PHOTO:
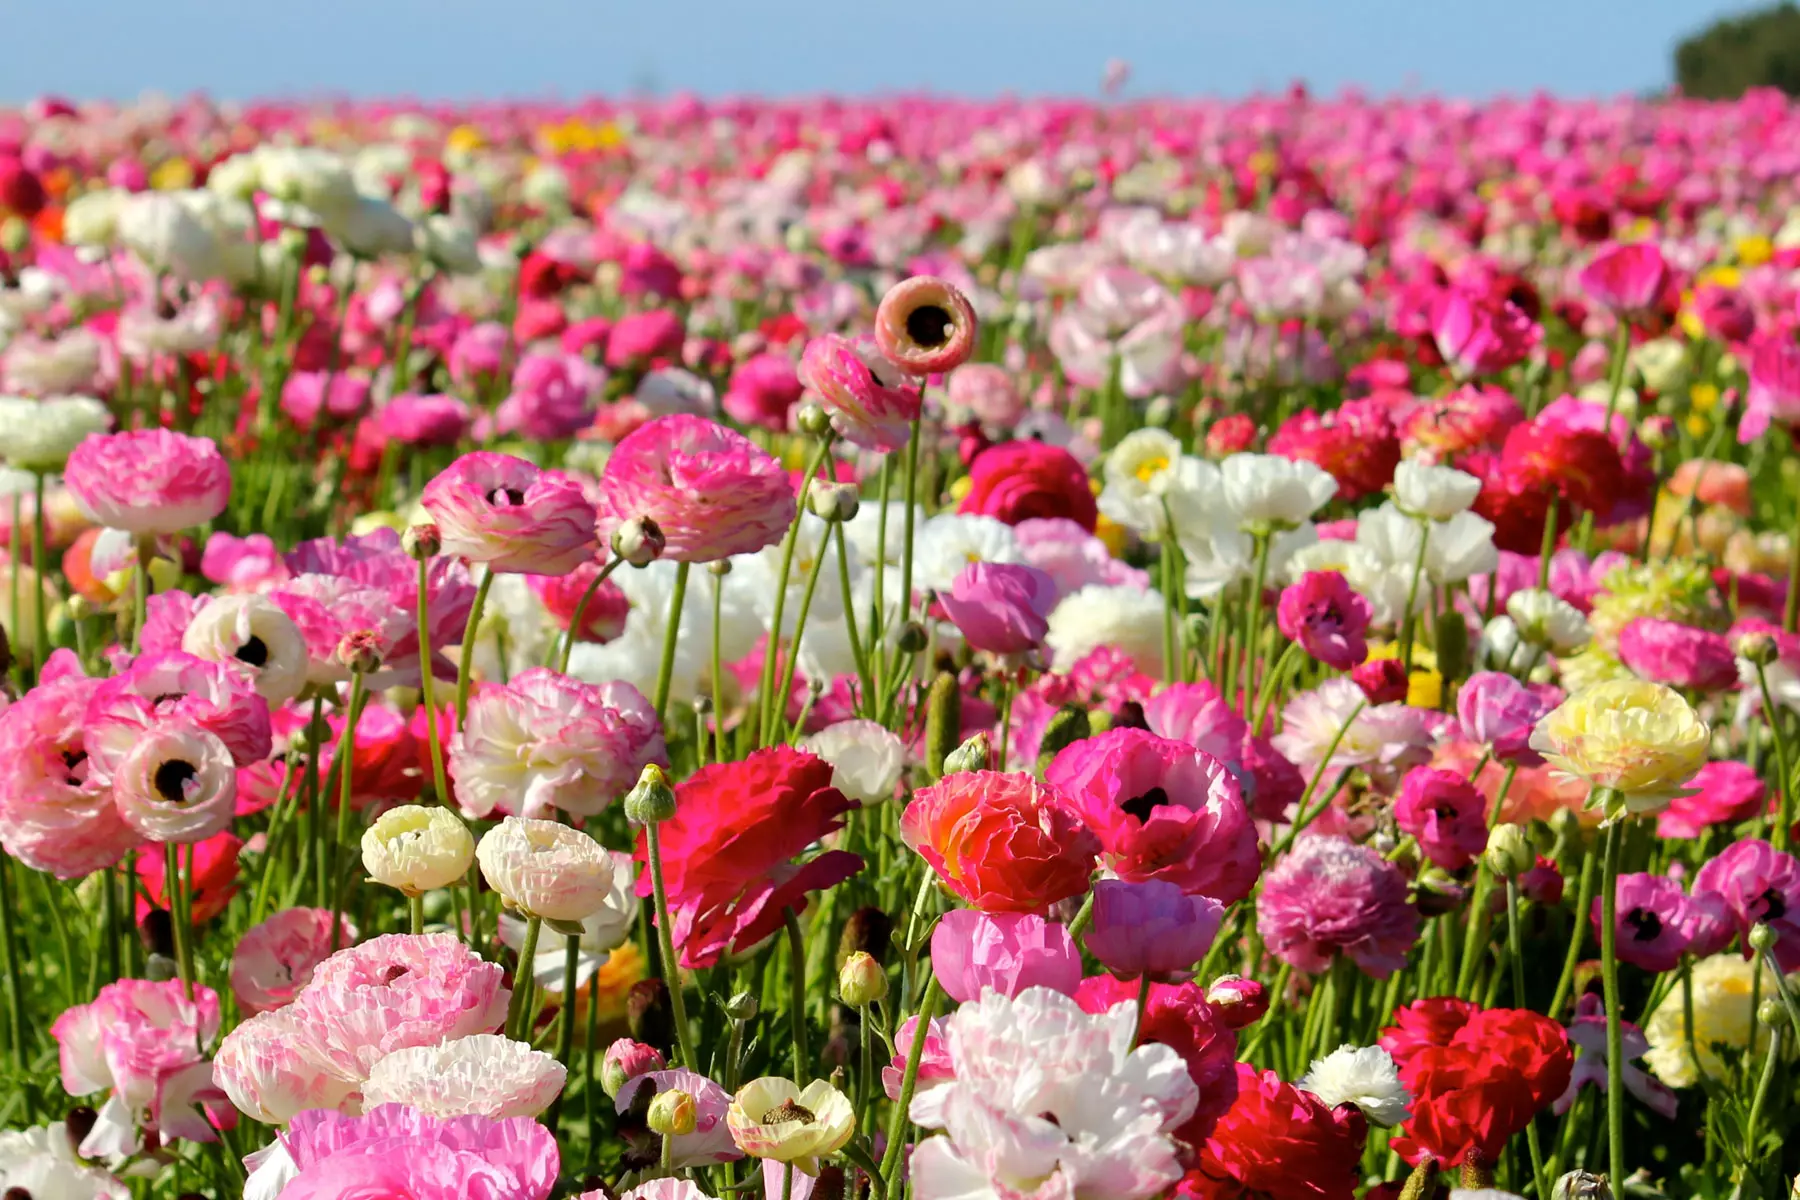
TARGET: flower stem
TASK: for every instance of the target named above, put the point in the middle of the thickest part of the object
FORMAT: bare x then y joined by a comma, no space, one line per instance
174,888
40,649
15,989
778,705
890,1161
464,668
764,698
428,685
519,1012
1609,966
1143,1010
342,768
665,669
565,1029
1584,895
415,915
1515,948
666,944
1410,619
1772,716
797,985
1754,1127
569,639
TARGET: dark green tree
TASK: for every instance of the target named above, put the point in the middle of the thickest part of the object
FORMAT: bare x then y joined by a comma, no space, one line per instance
1758,49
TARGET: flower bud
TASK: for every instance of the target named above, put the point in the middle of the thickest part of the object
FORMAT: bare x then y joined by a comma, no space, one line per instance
1657,431
943,721
720,567
360,652
1771,1013
639,541
652,800
79,607
1509,852
671,1113
1068,725
1451,641
1581,1185
625,1060
15,235
1762,937
973,755
911,637
416,849
1437,893
813,420
1759,649
1239,1002
832,501
422,541
862,981
742,1007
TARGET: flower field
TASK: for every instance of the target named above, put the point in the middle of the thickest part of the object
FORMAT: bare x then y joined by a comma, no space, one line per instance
903,648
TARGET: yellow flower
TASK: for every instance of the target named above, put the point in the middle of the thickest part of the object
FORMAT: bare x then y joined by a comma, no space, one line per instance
961,487
772,1118
1113,535
465,139
611,985
1703,396
1755,250
1697,425
172,175
1724,276
1725,996
1639,739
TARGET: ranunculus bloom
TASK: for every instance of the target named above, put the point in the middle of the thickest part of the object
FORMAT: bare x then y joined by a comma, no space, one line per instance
1677,654
1760,885
764,1123
870,405
713,493
1588,1032
1774,395
1328,896
176,689
148,480
506,513
1652,923
393,1150
482,1075
1477,336
1356,443
178,784
1498,711
1184,1018
925,326
1016,481
1326,617
639,338
304,397
545,741
1720,793
1150,928
987,392
1162,810
763,391
1713,483
1004,843
419,420
1581,467
1008,952
728,851
544,869
1640,739
602,616
251,634
1628,279
1280,1142
1002,608
275,959
1445,813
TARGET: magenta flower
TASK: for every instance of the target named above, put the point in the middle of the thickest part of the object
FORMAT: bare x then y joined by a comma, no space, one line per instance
638,339
1760,885
1162,810
1197,714
1151,928
393,1150
242,564
763,391
477,354
1331,896
505,512
1002,608
1720,793
304,397
1774,394
1445,813
421,420
1008,952
148,480
1678,655
869,404
713,492
1653,922
1326,618
1499,712
1479,337
1628,279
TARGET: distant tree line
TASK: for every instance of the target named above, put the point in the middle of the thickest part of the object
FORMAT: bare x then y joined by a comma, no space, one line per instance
1757,49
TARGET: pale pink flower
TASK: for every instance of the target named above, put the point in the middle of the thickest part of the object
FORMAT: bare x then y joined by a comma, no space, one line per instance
713,493
546,741
326,609
935,1066
483,1075
545,869
711,1141
869,402
988,392
507,513
274,1066
396,1151
276,959
1197,714
1002,608
1073,557
973,951
149,481
179,689
178,784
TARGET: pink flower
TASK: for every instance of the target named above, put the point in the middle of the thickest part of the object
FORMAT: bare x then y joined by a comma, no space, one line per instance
1150,928
179,689
1331,896
178,784
327,609
1720,793
1195,713
275,960
711,1141
477,353
1326,617
546,741
552,397
1445,813
148,480
396,1151
1629,279
420,420
1652,923
1162,810
625,1060
1498,711
304,398
1760,885
242,564
713,493
1478,336
1774,394
1382,680
603,617
935,1066
925,326
504,512
1073,557
763,391
1678,655
1587,1033
1008,952
376,560
639,338
868,402
484,1075
1002,608
988,392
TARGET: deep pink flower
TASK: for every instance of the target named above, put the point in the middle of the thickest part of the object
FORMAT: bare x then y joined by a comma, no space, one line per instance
1152,927
1678,655
1760,885
506,513
1162,810
1356,443
148,480
1720,793
603,617
396,1151
1774,394
1002,608
1005,951
1003,841
763,391
1331,896
638,339
552,397
477,354
1498,711
713,492
1652,921
304,397
867,398
1382,680
1023,479
1445,813
1326,617
1628,279
176,689
1479,336
425,420
242,564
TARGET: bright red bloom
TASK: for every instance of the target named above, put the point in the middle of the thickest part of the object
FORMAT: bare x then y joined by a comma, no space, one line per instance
1179,1017
212,866
1475,1084
1356,443
1230,434
1582,466
1280,1143
1003,842
1016,481
1514,503
727,852
541,276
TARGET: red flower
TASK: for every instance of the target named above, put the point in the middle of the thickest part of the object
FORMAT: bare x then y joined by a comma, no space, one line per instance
541,276
1356,443
1230,434
1281,1143
1004,843
727,851
212,866
1179,1017
1016,481
1582,466
1476,1077
1516,505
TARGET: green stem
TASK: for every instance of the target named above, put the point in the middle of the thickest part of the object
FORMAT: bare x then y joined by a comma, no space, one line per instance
797,987
912,500
519,1011
15,989
565,1029
1143,1009
1609,966
40,569
778,701
1772,717
890,1161
849,602
1584,896
1515,947
568,641
415,915
174,887
428,685
764,705
1409,620
465,667
666,944
1754,1128
342,769
665,669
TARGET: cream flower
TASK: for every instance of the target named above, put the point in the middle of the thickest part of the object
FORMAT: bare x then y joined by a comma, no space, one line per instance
1639,739
1547,620
546,870
248,631
866,759
1124,617
1725,987
772,1118
484,1075
1424,489
37,435
417,849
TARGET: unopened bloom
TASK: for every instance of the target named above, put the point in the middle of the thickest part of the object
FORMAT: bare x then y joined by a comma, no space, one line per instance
973,951
148,480
925,326
1361,1075
417,849
1641,740
250,633
484,1074
773,1118
1547,620
505,512
709,1139
545,869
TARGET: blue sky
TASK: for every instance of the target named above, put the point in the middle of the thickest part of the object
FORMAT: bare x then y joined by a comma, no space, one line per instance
529,48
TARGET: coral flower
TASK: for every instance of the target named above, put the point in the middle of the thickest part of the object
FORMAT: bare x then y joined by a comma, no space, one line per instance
925,326
1004,843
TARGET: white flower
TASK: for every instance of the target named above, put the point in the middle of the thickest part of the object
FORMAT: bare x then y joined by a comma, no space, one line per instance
168,234
1151,484
239,177
949,542
864,531
37,435
41,1162
417,848
1266,490
450,244
483,1075
319,180
602,932
144,333
1662,362
1499,644
544,869
1364,1076
1311,721
92,218
1461,548
1126,618
249,632
1547,620
866,759
763,570
55,367
546,186
1220,553
1424,489
370,228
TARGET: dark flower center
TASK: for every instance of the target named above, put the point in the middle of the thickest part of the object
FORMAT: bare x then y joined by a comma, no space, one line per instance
1646,926
1444,812
929,325
254,652
1774,905
72,759
1130,716
172,777
1142,806
395,972
506,495
788,1112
